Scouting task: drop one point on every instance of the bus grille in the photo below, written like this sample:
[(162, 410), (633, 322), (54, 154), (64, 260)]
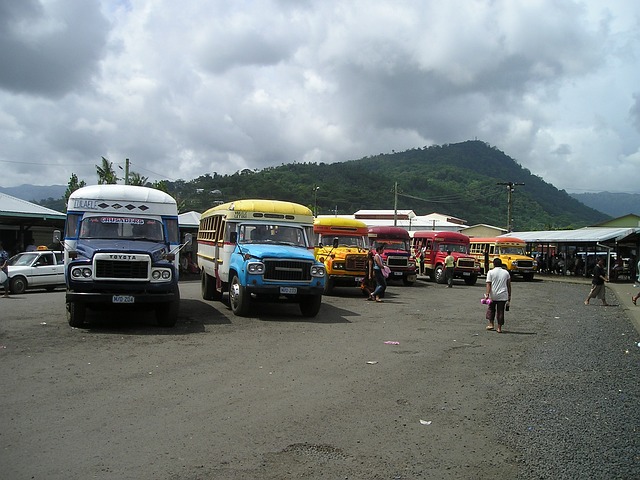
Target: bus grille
[(398, 261), (356, 262), (287, 270), (466, 263), (525, 263), (121, 269)]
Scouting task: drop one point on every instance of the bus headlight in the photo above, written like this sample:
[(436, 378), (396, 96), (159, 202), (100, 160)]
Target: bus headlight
[(160, 275), (317, 271), (255, 268), (81, 273)]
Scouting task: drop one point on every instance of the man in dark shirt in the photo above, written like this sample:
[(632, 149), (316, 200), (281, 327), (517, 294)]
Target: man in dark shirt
[(597, 284)]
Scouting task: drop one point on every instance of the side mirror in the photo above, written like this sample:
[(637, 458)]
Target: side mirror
[(336, 242), (234, 237), (56, 236)]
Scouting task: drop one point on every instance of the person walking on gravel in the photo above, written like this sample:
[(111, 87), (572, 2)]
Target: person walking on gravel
[(449, 265), (597, 284), (499, 291)]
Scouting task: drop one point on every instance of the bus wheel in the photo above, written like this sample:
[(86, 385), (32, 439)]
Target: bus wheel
[(471, 280), (76, 314), (528, 277), (406, 282), (310, 305), (209, 291), (238, 297), (439, 274)]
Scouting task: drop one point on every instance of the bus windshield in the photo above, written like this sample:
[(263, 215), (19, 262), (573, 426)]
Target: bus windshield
[(392, 245), (511, 251), (263, 233), (131, 228), (344, 240), (454, 247)]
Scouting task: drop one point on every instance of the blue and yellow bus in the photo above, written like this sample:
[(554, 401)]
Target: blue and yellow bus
[(260, 250)]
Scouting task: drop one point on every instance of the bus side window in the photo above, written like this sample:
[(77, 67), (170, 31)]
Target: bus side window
[(71, 227), (228, 228), (173, 231)]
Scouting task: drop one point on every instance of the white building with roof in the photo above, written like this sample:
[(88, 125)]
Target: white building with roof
[(21, 221)]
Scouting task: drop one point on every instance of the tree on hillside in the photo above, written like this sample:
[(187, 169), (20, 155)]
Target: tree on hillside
[(106, 173), (72, 186), (160, 185)]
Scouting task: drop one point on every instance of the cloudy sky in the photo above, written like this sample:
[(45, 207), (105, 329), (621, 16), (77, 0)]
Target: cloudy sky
[(201, 86)]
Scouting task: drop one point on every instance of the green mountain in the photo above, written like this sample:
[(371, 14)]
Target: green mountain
[(462, 180), (614, 204)]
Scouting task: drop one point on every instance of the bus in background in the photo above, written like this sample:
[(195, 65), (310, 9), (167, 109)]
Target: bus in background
[(510, 250), (121, 250), (397, 252), (341, 244), (433, 246), (260, 250)]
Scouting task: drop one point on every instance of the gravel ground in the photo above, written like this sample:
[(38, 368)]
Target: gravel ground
[(572, 407), (276, 396)]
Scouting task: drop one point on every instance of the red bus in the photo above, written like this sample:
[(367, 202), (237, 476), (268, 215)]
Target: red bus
[(432, 247), (397, 252)]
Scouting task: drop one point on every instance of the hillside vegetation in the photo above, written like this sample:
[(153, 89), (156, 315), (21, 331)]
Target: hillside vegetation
[(459, 180), (456, 179), (614, 204)]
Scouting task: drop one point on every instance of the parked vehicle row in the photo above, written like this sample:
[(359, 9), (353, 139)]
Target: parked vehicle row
[(121, 249)]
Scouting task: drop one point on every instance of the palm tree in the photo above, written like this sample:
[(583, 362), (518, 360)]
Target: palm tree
[(106, 173), (136, 179)]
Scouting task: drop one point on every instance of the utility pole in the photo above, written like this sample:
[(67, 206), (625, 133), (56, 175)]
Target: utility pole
[(126, 171), (510, 190), (315, 200), (395, 204)]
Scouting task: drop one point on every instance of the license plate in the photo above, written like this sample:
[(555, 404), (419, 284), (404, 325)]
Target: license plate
[(466, 274), (358, 279), (288, 290), (397, 274), (123, 299)]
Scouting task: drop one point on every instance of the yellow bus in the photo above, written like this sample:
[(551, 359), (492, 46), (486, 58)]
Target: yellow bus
[(510, 250), (260, 250), (341, 244)]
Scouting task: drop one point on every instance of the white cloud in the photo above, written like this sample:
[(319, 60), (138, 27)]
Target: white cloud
[(189, 88)]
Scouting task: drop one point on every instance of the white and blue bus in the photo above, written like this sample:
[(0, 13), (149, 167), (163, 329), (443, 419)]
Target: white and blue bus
[(121, 250), (260, 250)]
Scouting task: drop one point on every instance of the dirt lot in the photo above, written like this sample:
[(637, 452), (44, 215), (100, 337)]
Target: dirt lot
[(278, 396)]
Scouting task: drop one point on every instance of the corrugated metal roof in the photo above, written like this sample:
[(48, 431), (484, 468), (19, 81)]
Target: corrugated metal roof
[(16, 207), (581, 235)]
